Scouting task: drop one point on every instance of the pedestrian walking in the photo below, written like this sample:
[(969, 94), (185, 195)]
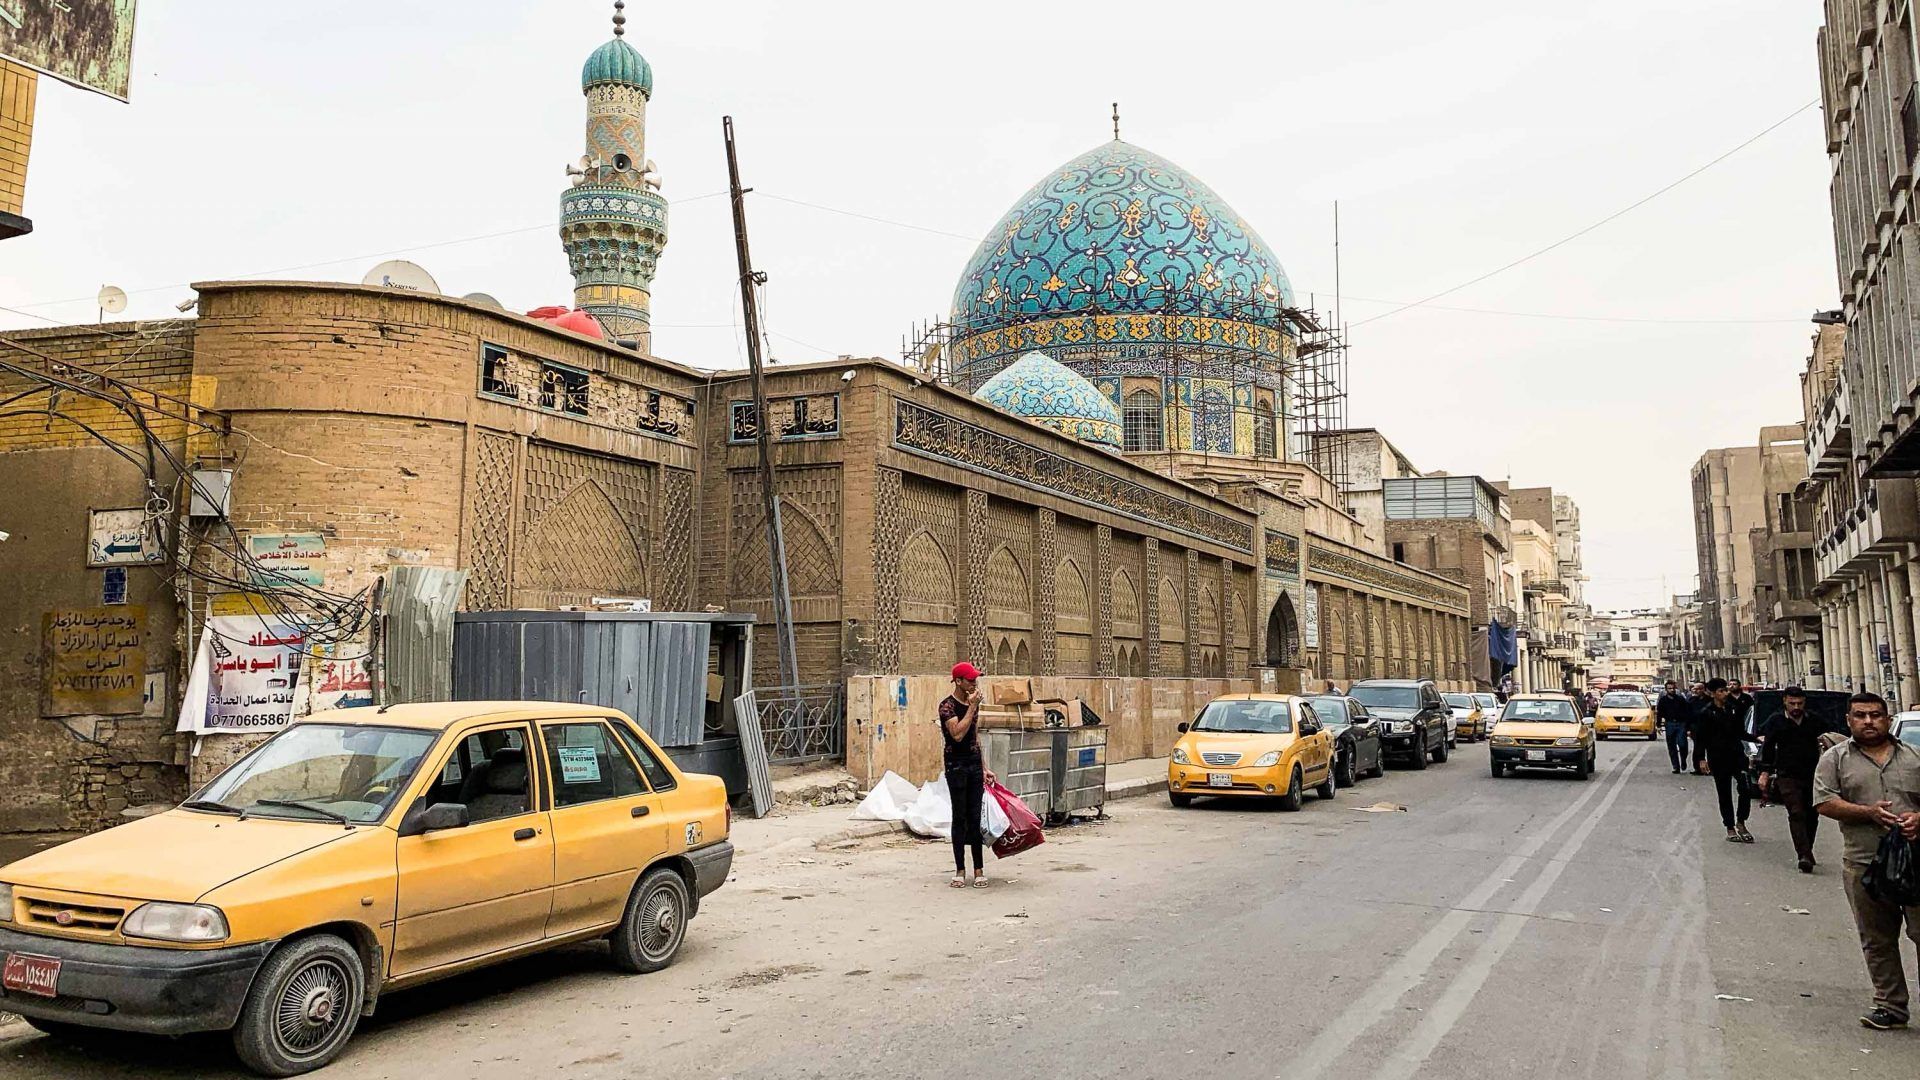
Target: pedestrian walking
[(1698, 699), (1719, 735), (966, 769), (1790, 746), (1870, 784), (1673, 711)]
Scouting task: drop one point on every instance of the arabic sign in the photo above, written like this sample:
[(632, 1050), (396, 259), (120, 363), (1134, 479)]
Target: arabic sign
[(340, 678), (244, 675), (121, 537), (287, 560), (88, 43), (1310, 625), (96, 660)]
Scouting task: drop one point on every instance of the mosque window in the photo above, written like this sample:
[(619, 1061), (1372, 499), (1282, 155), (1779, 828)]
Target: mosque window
[(563, 389), (1141, 422), (494, 372), (1263, 429)]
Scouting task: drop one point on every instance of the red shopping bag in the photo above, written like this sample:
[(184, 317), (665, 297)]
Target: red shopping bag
[(1023, 829)]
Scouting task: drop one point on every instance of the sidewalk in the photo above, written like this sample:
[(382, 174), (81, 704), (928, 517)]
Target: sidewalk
[(827, 828)]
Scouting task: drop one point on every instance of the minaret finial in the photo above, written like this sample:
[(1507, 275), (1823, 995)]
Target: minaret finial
[(619, 19), (1116, 121)]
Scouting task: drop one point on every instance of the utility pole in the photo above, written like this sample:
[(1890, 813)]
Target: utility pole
[(763, 419)]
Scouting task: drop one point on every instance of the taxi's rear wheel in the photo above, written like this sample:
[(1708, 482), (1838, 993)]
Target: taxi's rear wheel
[(655, 924), (1327, 787), (303, 1007), (1291, 800)]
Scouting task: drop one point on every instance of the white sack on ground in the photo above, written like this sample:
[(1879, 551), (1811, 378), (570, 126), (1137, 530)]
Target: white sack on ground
[(932, 811), (888, 801)]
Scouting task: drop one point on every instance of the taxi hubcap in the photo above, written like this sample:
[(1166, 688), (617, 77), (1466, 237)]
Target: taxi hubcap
[(660, 923), (311, 1006)]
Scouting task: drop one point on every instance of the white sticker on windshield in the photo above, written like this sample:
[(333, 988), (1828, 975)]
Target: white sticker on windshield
[(578, 764)]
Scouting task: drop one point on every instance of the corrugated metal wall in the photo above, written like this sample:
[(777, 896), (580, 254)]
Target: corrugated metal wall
[(418, 649), (653, 670)]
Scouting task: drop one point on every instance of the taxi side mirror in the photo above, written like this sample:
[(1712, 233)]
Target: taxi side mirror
[(444, 815), (1181, 728)]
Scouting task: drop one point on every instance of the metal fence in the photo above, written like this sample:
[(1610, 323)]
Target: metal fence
[(802, 723)]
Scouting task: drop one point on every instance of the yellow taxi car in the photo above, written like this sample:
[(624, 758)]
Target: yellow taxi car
[(1541, 731), (358, 852), (1469, 723), (1624, 712), (1261, 745)]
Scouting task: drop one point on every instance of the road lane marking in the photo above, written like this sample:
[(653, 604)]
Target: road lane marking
[(1452, 1004), (1407, 972)]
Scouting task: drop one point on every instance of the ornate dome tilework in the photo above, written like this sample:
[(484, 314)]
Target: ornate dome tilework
[(1119, 244), (620, 63), (1048, 393)]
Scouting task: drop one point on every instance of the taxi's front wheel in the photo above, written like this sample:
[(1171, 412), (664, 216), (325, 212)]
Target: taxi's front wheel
[(655, 924), (303, 1007)]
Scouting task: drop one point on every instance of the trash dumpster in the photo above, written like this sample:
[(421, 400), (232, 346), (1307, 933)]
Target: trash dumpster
[(1051, 757)]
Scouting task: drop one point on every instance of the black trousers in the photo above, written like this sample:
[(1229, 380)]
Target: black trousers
[(967, 787), (1796, 794), (1725, 783)]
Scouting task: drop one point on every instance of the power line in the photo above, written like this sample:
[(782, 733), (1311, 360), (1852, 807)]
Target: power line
[(1581, 318), (1610, 217)]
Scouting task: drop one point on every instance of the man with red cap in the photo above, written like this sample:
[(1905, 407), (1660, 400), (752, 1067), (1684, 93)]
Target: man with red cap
[(966, 769)]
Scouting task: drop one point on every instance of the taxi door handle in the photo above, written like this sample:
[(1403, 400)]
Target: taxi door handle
[(642, 811), (523, 834)]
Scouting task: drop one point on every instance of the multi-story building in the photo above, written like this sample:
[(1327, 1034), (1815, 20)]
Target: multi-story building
[(1457, 527), (1681, 643), (1366, 460), (1553, 655), (1633, 640), (1561, 515), (1729, 502), (1786, 618)]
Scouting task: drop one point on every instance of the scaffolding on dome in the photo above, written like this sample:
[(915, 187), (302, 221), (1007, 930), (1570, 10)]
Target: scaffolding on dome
[(1310, 383)]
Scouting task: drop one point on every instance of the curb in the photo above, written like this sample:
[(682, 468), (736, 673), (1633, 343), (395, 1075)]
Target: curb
[(859, 832), (1133, 789)]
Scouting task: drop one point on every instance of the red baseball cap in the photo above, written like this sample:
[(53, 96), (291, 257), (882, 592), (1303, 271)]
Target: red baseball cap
[(964, 670)]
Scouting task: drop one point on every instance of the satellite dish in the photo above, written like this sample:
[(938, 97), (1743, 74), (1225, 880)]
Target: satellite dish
[(112, 299), (484, 300), (401, 274)]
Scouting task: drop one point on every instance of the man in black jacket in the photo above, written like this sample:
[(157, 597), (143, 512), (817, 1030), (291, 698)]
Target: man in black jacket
[(1790, 747), (1719, 733), (1674, 711)]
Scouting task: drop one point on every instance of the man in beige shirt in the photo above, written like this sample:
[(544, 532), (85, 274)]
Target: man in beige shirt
[(1870, 784)]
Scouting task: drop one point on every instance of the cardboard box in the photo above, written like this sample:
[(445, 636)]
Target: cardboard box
[(1010, 692)]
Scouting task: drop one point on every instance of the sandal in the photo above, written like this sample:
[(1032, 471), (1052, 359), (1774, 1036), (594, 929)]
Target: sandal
[(979, 880), (958, 882)]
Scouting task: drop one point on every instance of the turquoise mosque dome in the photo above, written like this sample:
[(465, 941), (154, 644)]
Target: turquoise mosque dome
[(617, 63), (1046, 392), (1118, 246)]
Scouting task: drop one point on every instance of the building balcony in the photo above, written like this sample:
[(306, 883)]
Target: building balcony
[(1789, 541), (1785, 610), (1880, 525), (1551, 589)]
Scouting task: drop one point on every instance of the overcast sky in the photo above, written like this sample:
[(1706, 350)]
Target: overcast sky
[(262, 138)]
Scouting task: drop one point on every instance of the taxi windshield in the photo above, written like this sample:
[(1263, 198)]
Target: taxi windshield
[(1623, 700), (1246, 717), (1459, 701), (1547, 709), (339, 772)]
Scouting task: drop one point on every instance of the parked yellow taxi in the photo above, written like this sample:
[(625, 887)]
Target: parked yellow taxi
[(1261, 745), (1541, 731), (1624, 712), (1469, 723), (358, 852)]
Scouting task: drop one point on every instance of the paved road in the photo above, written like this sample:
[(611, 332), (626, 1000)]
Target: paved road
[(1532, 926)]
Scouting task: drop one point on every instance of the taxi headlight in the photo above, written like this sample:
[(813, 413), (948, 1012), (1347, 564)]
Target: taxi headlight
[(176, 922), (1566, 742), (1267, 760), (1180, 756), (6, 903), (1501, 740)]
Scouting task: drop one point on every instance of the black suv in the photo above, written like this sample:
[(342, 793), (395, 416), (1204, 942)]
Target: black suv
[(1414, 721)]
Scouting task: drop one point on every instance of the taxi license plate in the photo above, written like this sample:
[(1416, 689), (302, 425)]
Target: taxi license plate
[(1536, 755), (1219, 779), (38, 975)]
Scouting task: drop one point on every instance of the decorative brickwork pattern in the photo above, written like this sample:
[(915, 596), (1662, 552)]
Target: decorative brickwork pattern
[(1150, 603), (1103, 580), (976, 575), (490, 512), (889, 536), (810, 525), (673, 544), (1334, 564), (1045, 554), (1192, 666), (585, 531)]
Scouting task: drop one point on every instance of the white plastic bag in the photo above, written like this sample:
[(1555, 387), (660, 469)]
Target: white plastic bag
[(932, 811), (888, 801), (993, 818)]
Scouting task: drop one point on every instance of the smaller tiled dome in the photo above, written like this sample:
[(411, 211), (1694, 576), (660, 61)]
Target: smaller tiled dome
[(620, 63), (1046, 392)]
